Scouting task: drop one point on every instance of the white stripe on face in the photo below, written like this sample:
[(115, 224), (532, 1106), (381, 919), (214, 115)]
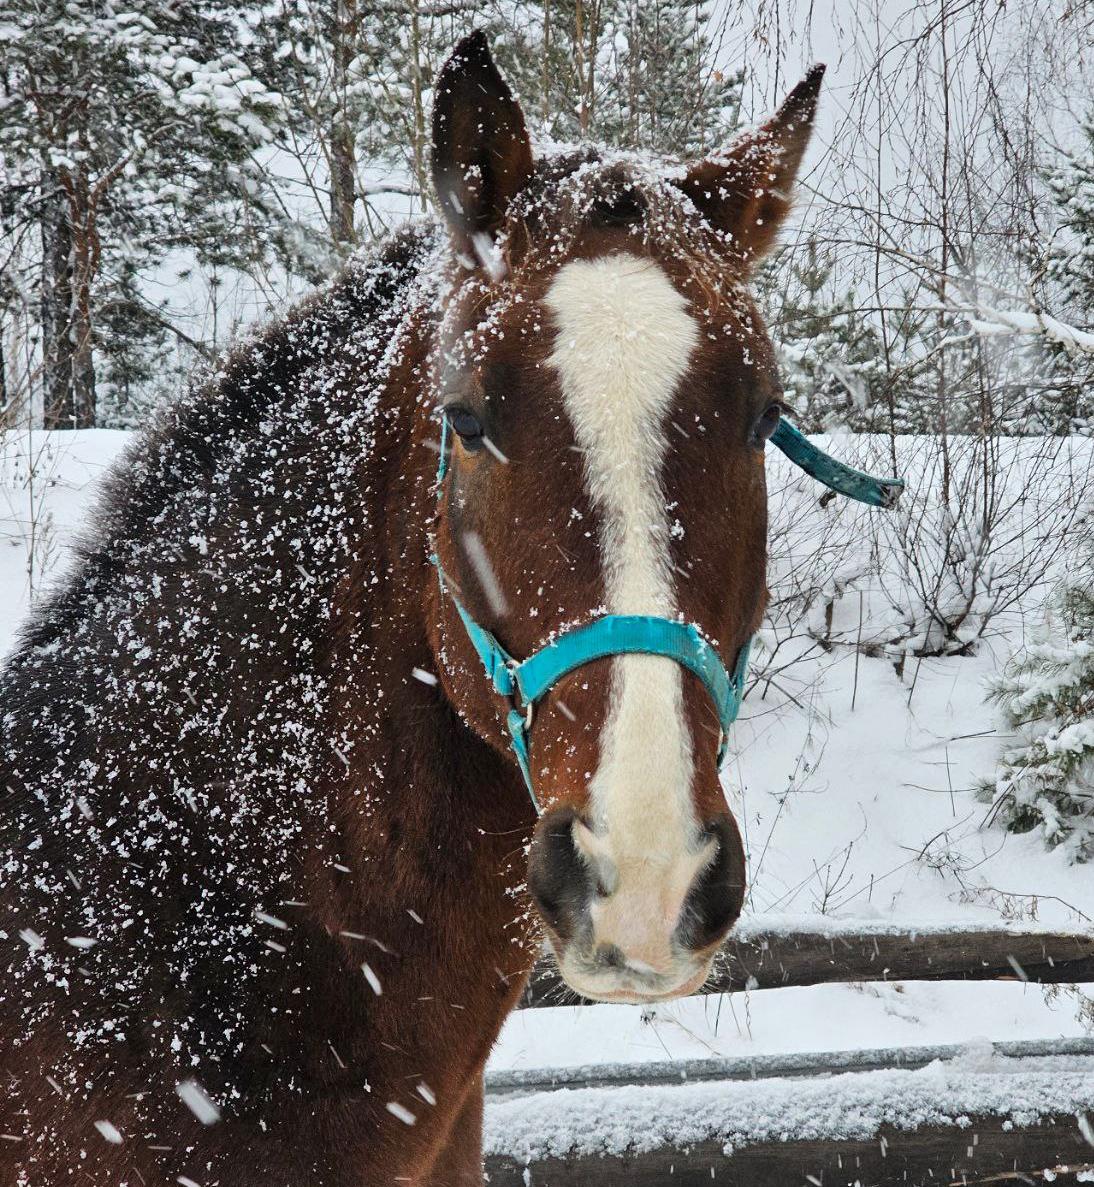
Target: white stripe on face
[(624, 341)]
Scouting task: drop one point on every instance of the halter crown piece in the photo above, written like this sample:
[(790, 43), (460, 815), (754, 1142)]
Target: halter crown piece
[(524, 682)]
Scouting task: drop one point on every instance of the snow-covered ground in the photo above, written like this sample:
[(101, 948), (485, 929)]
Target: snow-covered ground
[(851, 783)]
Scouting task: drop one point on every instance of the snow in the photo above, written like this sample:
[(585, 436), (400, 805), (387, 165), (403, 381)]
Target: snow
[(195, 1098), (821, 1018), (993, 322), (110, 1132), (400, 1112), (46, 486), (853, 1106), (750, 927), (863, 754)]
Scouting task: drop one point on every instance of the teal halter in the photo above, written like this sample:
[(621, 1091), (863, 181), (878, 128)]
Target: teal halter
[(524, 682)]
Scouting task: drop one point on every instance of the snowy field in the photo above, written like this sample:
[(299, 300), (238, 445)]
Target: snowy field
[(852, 783)]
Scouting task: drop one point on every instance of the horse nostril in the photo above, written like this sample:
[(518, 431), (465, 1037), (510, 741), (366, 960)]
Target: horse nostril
[(559, 880), (610, 956), (717, 895)]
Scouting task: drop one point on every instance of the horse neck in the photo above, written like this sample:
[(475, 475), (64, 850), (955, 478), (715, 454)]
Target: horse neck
[(416, 794)]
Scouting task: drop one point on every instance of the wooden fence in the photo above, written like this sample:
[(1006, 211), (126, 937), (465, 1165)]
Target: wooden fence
[(997, 1146), (964, 1148), (760, 956), (984, 1152)]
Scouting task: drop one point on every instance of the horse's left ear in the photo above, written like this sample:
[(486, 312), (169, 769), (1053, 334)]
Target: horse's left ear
[(747, 192), (482, 155)]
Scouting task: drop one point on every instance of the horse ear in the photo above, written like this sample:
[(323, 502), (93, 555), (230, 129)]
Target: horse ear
[(747, 192), (481, 152)]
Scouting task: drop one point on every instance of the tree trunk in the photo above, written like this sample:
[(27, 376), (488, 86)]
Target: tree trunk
[(85, 263), (579, 65), (343, 190), (58, 406), (417, 82), (545, 79), (83, 362), (589, 88), (5, 399)]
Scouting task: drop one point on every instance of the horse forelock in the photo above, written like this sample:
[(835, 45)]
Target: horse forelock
[(578, 203), (574, 195)]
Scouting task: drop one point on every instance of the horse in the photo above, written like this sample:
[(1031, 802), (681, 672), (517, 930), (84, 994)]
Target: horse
[(272, 877)]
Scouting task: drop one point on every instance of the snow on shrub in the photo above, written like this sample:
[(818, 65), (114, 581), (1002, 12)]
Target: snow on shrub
[(1046, 780), (982, 532)]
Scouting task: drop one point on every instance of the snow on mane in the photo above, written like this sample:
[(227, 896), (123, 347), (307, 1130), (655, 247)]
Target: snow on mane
[(175, 677)]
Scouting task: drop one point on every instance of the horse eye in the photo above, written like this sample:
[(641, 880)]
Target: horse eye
[(466, 425), (767, 423)]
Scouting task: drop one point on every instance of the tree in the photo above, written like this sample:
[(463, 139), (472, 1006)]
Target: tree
[(829, 354), (126, 132), (629, 74), (1069, 279), (132, 134), (1046, 780), (634, 74), (1071, 263)]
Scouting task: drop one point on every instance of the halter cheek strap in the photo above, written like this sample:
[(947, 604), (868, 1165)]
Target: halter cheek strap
[(524, 682)]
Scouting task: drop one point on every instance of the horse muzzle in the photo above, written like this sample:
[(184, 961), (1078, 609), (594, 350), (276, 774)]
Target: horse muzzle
[(639, 929)]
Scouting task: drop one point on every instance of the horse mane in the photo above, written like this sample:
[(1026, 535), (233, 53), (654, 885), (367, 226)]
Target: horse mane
[(262, 380), (575, 190), (164, 732)]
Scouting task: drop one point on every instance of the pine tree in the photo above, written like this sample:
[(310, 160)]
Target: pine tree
[(632, 75), (668, 98), (1046, 780), (1066, 401), (830, 356), (127, 131), (1072, 260)]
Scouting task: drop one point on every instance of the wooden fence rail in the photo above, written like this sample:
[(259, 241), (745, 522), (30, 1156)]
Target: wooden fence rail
[(1017, 1112), (760, 956), (934, 1156), (511, 1081)]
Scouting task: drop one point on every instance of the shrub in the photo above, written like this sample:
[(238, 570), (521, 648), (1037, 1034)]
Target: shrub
[(1046, 780)]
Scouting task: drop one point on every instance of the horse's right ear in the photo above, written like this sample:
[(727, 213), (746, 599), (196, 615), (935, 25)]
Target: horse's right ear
[(481, 152)]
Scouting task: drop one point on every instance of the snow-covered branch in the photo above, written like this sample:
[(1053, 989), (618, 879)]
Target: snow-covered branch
[(990, 322)]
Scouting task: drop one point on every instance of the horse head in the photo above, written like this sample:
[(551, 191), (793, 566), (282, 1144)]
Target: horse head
[(608, 386)]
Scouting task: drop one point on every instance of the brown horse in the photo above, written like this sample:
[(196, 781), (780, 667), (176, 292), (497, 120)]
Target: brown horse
[(271, 876)]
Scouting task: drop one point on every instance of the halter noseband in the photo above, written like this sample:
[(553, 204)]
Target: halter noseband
[(524, 682)]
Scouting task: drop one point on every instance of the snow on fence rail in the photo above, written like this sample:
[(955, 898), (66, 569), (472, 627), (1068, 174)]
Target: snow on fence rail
[(980, 1118), (521, 1081), (766, 953), (1008, 1112)]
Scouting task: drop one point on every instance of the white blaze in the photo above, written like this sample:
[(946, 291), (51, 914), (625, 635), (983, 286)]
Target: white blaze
[(624, 341)]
